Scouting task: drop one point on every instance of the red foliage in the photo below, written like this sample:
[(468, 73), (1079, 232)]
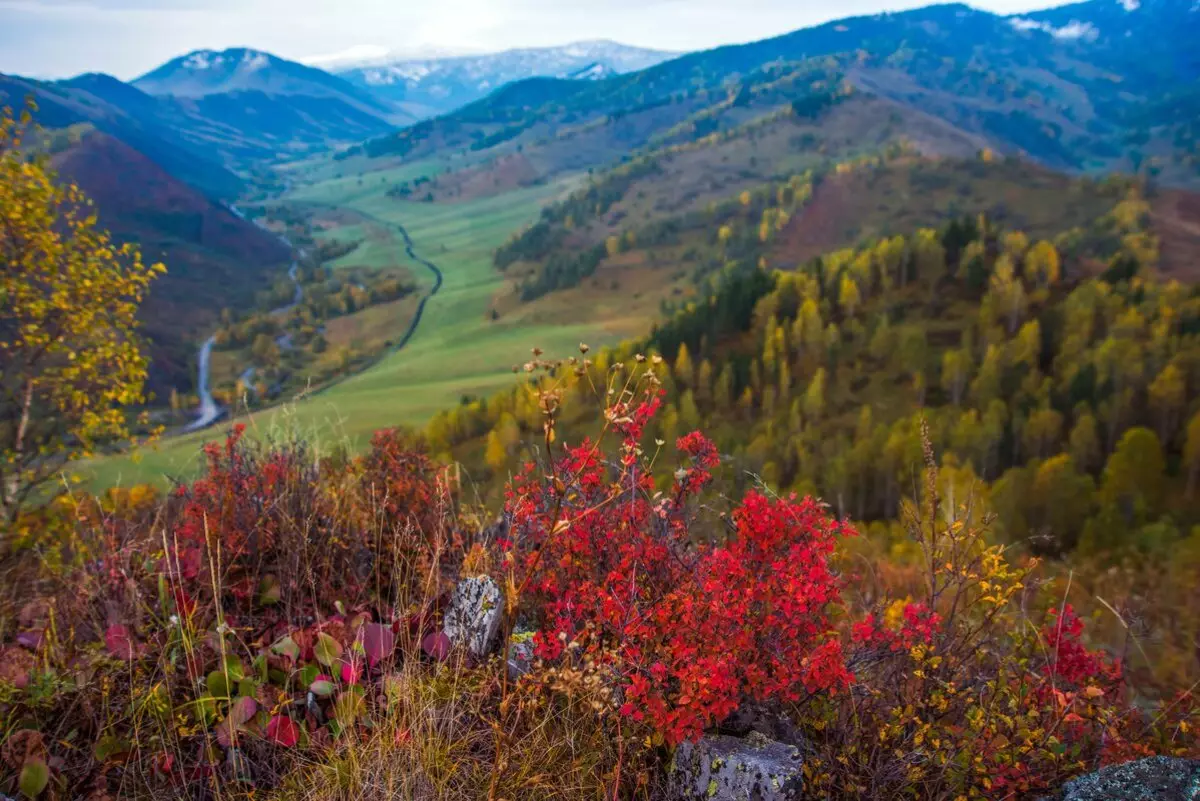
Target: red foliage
[(283, 731), (402, 477), (1069, 659), (919, 625), (694, 629)]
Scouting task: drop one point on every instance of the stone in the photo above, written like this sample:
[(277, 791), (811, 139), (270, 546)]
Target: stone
[(724, 768), (750, 717), (1151, 779), (474, 616), (520, 654)]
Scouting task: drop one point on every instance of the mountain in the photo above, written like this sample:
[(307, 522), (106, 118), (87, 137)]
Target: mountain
[(206, 114), (1069, 87), (261, 98), (214, 258), (204, 73), (430, 86), (137, 119)]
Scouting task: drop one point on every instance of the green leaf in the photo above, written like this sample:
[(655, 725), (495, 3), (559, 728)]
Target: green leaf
[(35, 775), (233, 667), (259, 668), (308, 674), (218, 686), (110, 747), (327, 650), (269, 591), (286, 646), (247, 688)]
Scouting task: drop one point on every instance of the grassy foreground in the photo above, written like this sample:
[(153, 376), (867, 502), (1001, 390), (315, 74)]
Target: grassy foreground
[(457, 349)]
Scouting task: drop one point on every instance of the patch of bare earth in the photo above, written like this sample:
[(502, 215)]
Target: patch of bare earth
[(1175, 216), (819, 228), (502, 174)]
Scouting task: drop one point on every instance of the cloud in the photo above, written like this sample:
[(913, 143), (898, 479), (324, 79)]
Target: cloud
[(1072, 30), (55, 38)]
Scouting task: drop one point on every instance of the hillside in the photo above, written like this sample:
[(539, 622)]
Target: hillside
[(215, 259), (429, 87), (1026, 85), (244, 110), (129, 115)]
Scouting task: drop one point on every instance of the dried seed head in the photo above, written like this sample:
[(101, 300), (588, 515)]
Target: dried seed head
[(583, 347)]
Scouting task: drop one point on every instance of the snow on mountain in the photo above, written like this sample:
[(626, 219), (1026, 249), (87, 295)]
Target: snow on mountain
[(431, 86)]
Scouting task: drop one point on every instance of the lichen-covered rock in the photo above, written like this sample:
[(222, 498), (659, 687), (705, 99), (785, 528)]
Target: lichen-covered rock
[(722, 768), (520, 654), (1151, 779), (475, 613)]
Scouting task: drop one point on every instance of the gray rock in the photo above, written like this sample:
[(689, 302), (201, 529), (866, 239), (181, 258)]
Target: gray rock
[(520, 654), (722, 768), (1152, 779), (475, 613)]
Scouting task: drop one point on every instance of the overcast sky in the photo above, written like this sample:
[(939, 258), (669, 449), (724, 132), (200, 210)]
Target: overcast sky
[(59, 38)]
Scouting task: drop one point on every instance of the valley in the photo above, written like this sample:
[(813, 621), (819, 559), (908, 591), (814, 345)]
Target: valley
[(602, 221)]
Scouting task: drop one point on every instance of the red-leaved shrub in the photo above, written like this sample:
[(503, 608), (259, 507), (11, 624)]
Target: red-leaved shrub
[(693, 628)]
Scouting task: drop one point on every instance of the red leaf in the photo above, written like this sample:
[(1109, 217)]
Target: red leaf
[(378, 642), (437, 645), (119, 642), (164, 762), (242, 710), (351, 672), (282, 730)]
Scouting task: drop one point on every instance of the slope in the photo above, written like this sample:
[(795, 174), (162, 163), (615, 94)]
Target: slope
[(214, 258), (129, 115)]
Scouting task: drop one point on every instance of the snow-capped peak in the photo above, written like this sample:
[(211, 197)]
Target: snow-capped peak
[(254, 60), (202, 60)]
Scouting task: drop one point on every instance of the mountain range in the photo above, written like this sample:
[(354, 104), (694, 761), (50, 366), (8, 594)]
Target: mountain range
[(431, 86), (1095, 86)]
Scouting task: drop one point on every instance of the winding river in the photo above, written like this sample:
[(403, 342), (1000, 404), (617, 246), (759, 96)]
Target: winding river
[(210, 411)]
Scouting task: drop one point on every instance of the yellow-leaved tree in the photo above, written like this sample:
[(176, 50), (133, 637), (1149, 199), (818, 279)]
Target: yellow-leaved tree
[(71, 362)]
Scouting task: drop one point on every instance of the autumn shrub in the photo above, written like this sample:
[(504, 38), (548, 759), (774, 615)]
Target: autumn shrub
[(977, 681), (196, 639), (690, 629), (961, 691)]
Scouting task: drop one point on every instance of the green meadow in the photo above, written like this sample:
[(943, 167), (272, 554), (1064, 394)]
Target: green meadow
[(457, 350)]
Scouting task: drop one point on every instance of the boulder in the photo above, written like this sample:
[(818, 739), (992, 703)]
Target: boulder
[(1152, 779), (723, 768), (474, 616)]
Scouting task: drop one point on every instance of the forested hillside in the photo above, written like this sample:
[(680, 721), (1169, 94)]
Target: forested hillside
[(1058, 370), (1068, 96)]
